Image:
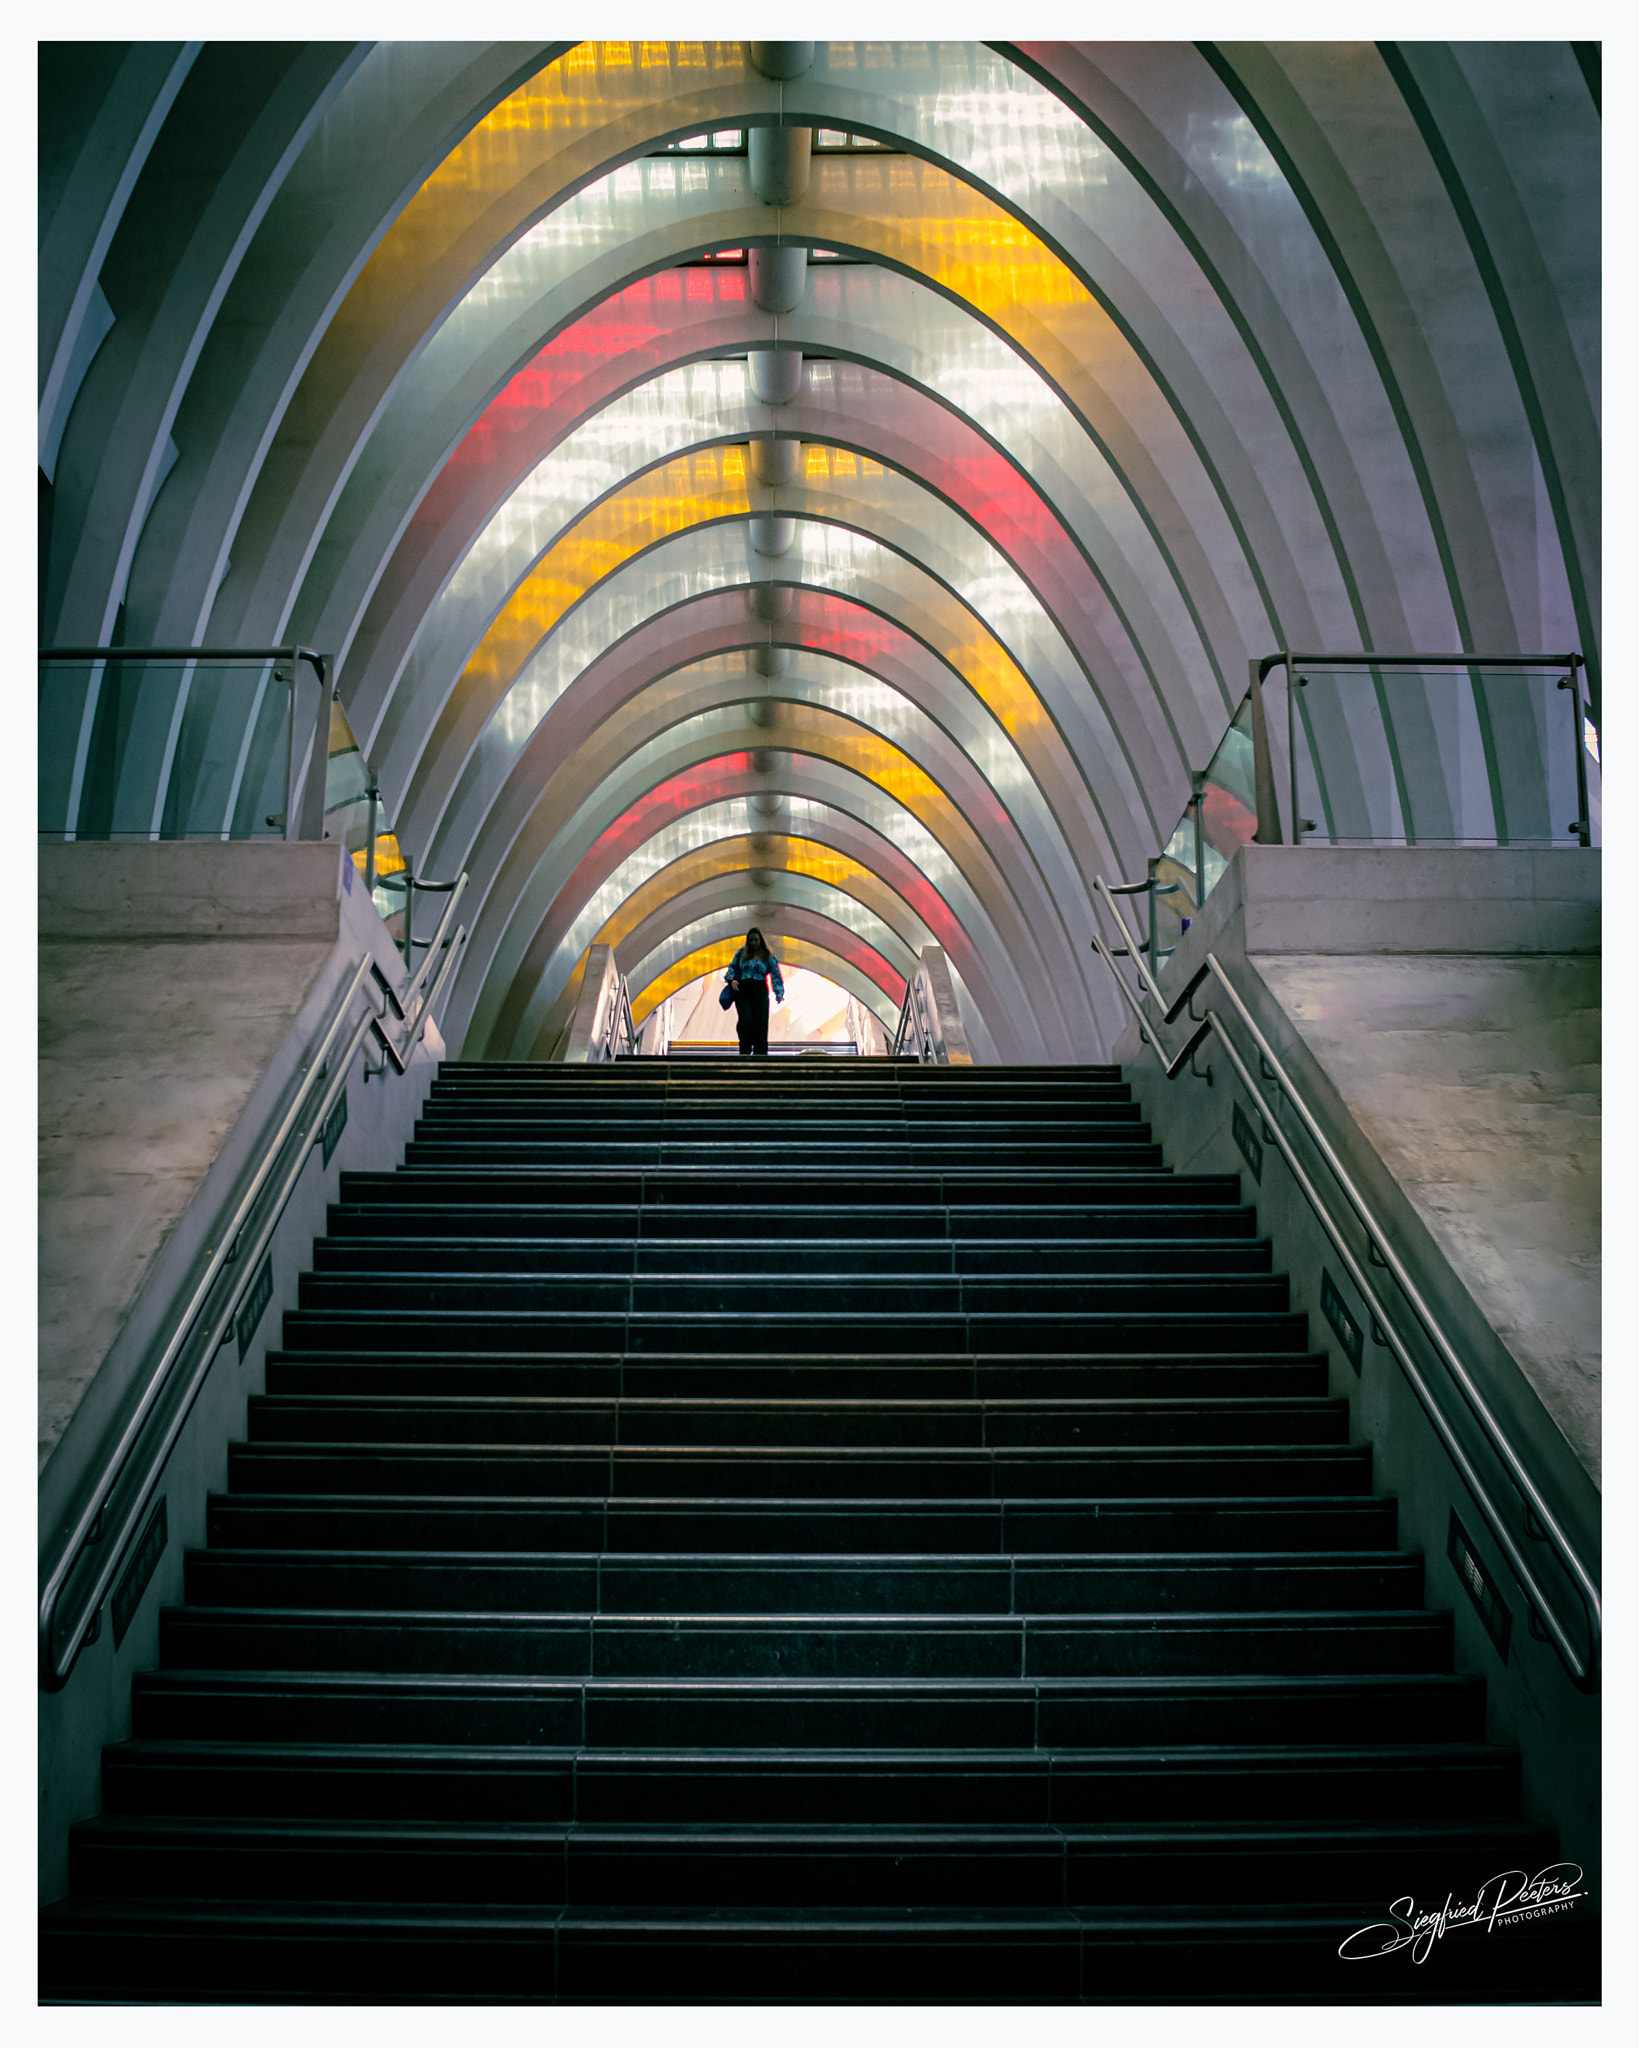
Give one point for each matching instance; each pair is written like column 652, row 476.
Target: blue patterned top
column 745, row 967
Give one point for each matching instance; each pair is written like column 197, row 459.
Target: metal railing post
column 374, row 795
column 1263, row 765
column 289, row 680
column 1292, row 746
column 1583, row 828
column 1197, row 803
column 318, row 766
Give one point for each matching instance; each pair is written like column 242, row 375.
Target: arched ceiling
column 1125, row 365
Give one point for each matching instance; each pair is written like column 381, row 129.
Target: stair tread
column 173, row 1677
column 945, row 1453
column 456, row 1755
column 816, row 1835
column 729, row 1404
column 827, row 1560
column 1284, row 1617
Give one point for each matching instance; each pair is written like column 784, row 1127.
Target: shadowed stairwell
column 814, row 1530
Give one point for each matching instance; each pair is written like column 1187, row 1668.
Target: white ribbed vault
column 1135, row 362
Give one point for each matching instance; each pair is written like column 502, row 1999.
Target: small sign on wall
column 1477, row 1585
column 128, row 1593
column 253, row 1306
column 334, row 1124
column 1240, row 1128
column 1349, row 1333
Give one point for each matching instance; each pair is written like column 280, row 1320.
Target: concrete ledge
column 1463, row 1096
column 189, row 888
column 1479, row 899
column 176, row 981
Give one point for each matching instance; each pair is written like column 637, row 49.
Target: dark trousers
column 751, row 1019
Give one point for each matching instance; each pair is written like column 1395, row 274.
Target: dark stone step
column 718, row 1648
column 218, row 1951
column 744, row 1865
column 870, row 1078
column 1015, row 1713
column 690, row 1070
column 1059, row 1259
column 784, row 1120
column 872, row 1082
column 1127, row 1151
column 1022, row 1583
column 885, row 1296
column 808, row 1140
column 483, row 1217
column 382, row 1781
column 457, row 1419
column 393, row 1327
column 591, row 1187
column 977, row 1527
column 854, row 1084
column 654, row 1376
column 1149, row 1954
column 630, row 1472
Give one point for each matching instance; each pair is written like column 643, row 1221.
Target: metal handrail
column 620, row 1040
column 409, row 881
column 914, row 1025
column 423, row 1015
column 1287, row 655
column 415, row 1019
column 1132, row 950
column 1582, row 1668
column 57, row 1658
column 455, row 890
column 316, row 660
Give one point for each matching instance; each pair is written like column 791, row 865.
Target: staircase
column 817, row 1531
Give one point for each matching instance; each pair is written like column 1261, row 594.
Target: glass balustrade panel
column 151, row 748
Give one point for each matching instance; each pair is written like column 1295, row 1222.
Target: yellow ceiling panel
column 712, row 959
column 593, row 86
column 707, row 483
column 710, row 483
column 703, row 960
column 778, row 852
column 925, row 217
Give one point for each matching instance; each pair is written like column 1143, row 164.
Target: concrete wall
column 173, row 1043
column 1439, row 1012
